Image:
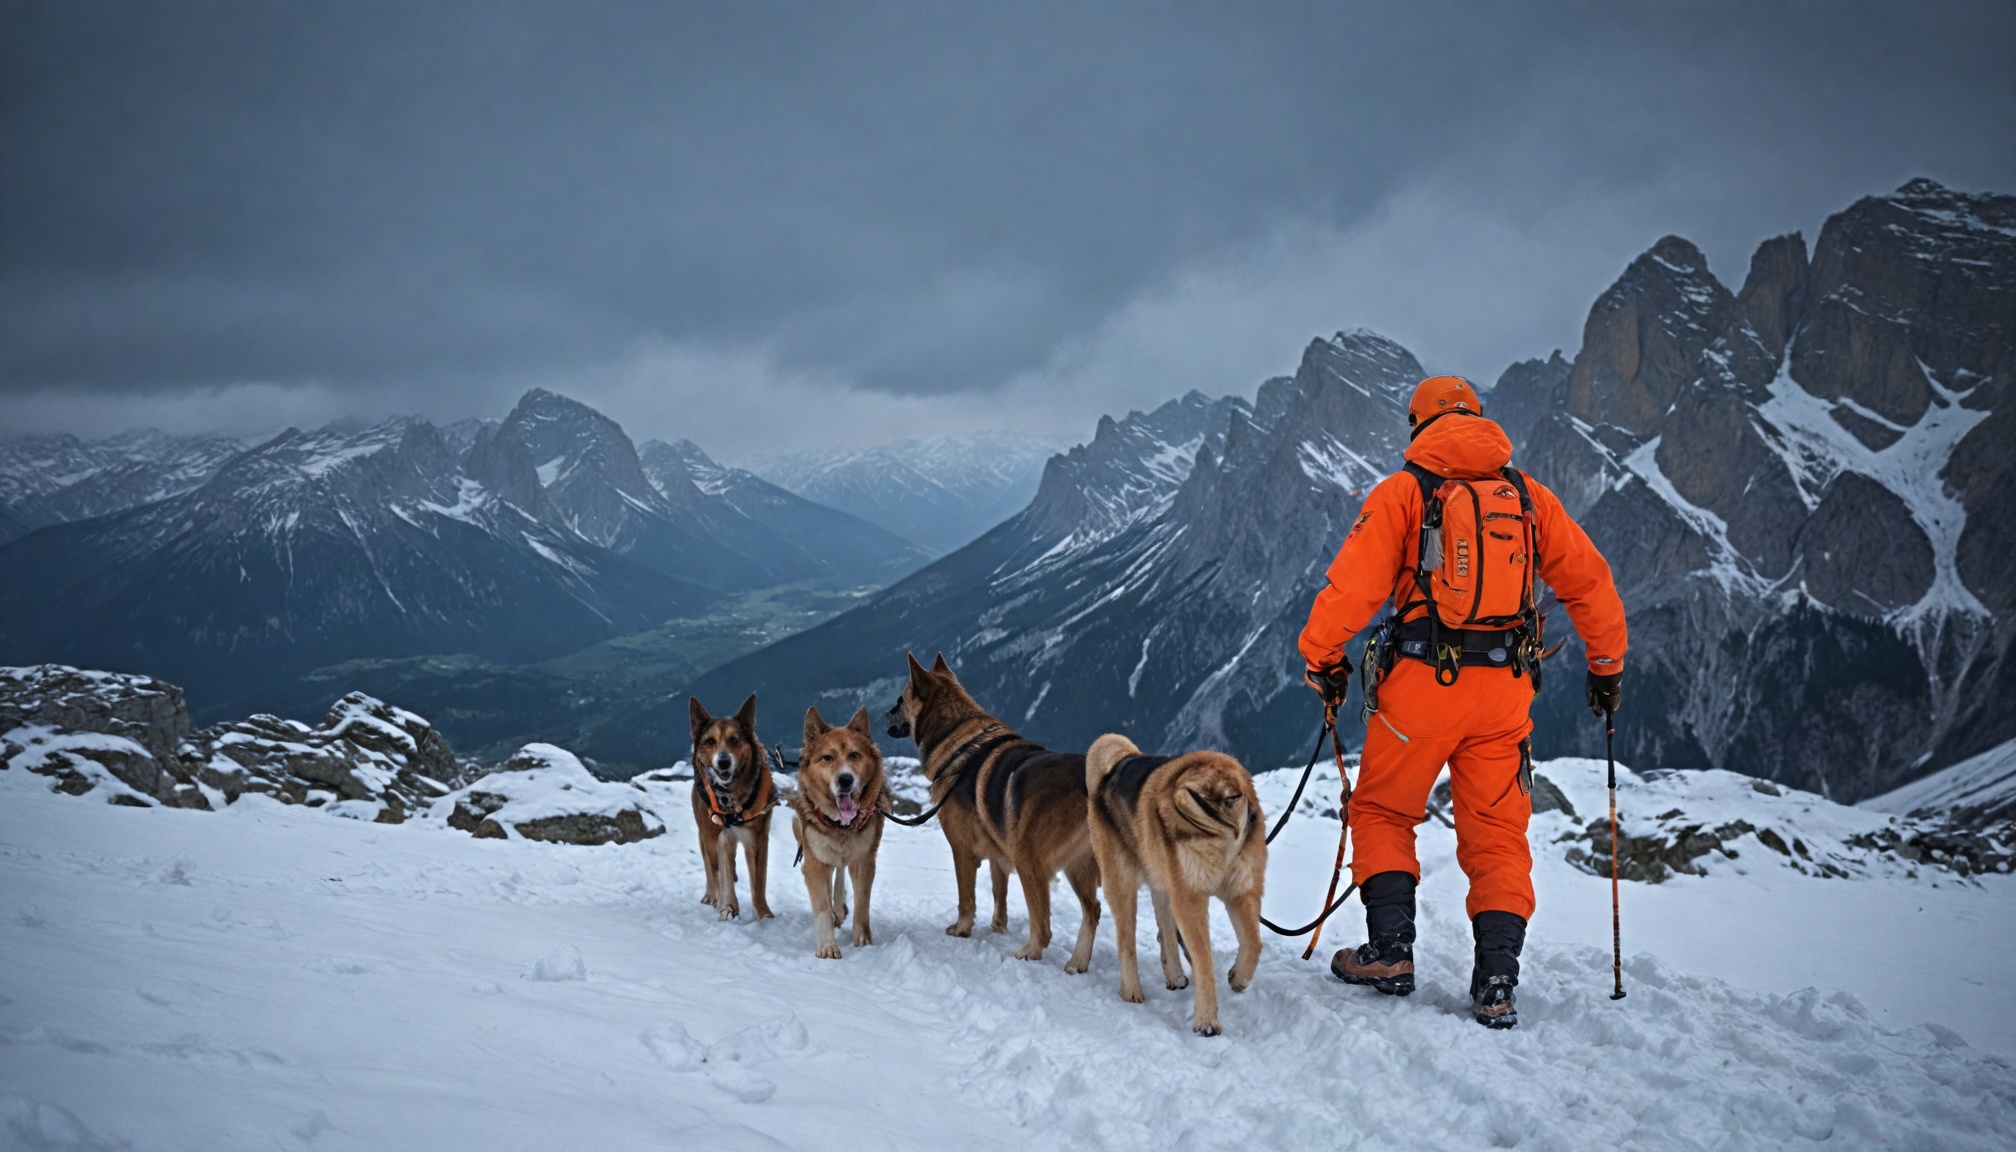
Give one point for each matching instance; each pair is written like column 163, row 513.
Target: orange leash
column 1330, row 901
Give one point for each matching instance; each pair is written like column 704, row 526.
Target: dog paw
column 1029, row 952
column 707, row 899
column 1205, row 1028
column 1240, row 983
column 1132, row 995
column 839, row 915
column 862, row 938
column 829, row 951
column 1076, row 967
column 763, row 913
column 729, row 912
column 959, row 930
column 999, row 924
column 1178, row 984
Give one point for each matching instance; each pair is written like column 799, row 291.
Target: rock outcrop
column 129, row 736
column 546, row 793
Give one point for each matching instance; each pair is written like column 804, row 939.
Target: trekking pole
column 1343, row 831
column 1616, row 931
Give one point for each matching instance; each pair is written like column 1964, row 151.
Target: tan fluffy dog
column 1008, row 801
column 838, row 822
column 1191, row 827
column 732, row 798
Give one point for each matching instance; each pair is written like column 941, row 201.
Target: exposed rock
column 1774, row 293
column 365, row 752
column 1864, row 554
column 547, row 793
column 49, row 711
column 1527, row 393
column 129, row 736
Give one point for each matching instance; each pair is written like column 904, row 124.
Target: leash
column 1329, row 727
column 1616, row 931
column 1331, row 900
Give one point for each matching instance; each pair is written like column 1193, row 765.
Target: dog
column 1005, row 800
column 1191, row 827
column 837, row 819
column 732, row 798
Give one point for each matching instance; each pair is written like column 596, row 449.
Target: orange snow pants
column 1474, row 726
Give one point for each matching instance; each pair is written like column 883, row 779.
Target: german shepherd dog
column 838, row 822
column 1191, row 827
column 732, row 798
column 1006, row 800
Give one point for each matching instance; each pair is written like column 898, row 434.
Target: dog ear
column 697, row 712
column 746, row 715
column 860, row 723
column 939, row 665
column 815, row 725
column 917, row 673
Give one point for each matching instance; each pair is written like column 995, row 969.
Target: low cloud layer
column 764, row 226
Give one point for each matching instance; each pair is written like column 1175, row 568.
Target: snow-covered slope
column 1979, row 790
column 940, row 492
column 276, row 976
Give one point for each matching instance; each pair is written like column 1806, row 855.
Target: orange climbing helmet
column 1439, row 396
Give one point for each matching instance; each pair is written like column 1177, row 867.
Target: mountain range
column 236, row 571
column 1803, row 487
column 941, row 493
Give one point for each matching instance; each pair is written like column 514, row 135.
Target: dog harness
column 728, row 815
column 1131, row 775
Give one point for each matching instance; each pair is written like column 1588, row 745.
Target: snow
column 560, row 785
column 1726, row 565
column 550, row 471
column 1986, row 781
column 572, row 565
column 46, row 749
column 269, row 977
column 1816, row 448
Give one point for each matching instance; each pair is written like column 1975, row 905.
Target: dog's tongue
column 847, row 809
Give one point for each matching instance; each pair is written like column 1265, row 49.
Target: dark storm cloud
column 905, row 198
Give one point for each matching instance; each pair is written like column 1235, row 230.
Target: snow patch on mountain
column 1816, row 448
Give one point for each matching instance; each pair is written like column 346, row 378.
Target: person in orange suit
column 1453, row 686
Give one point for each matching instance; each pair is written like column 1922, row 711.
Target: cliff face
column 1799, row 486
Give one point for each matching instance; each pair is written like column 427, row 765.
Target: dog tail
column 1105, row 755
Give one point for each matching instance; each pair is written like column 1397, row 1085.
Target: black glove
column 1606, row 692
column 1330, row 683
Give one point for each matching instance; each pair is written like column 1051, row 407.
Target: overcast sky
column 769, row 226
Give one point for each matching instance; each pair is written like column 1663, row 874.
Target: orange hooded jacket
column 1377, row 559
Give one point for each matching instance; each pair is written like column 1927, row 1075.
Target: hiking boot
column 1385, row 965
column 1500, row 938
column 1493, row 1005
column 1386, row 961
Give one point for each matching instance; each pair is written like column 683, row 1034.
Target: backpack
column 1477, row 561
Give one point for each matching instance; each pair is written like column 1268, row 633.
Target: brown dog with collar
column 732, row 798
column 838, row 822
column 1008, row 801
column 1190, row 826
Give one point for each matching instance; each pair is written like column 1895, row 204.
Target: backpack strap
column 1446, row 662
